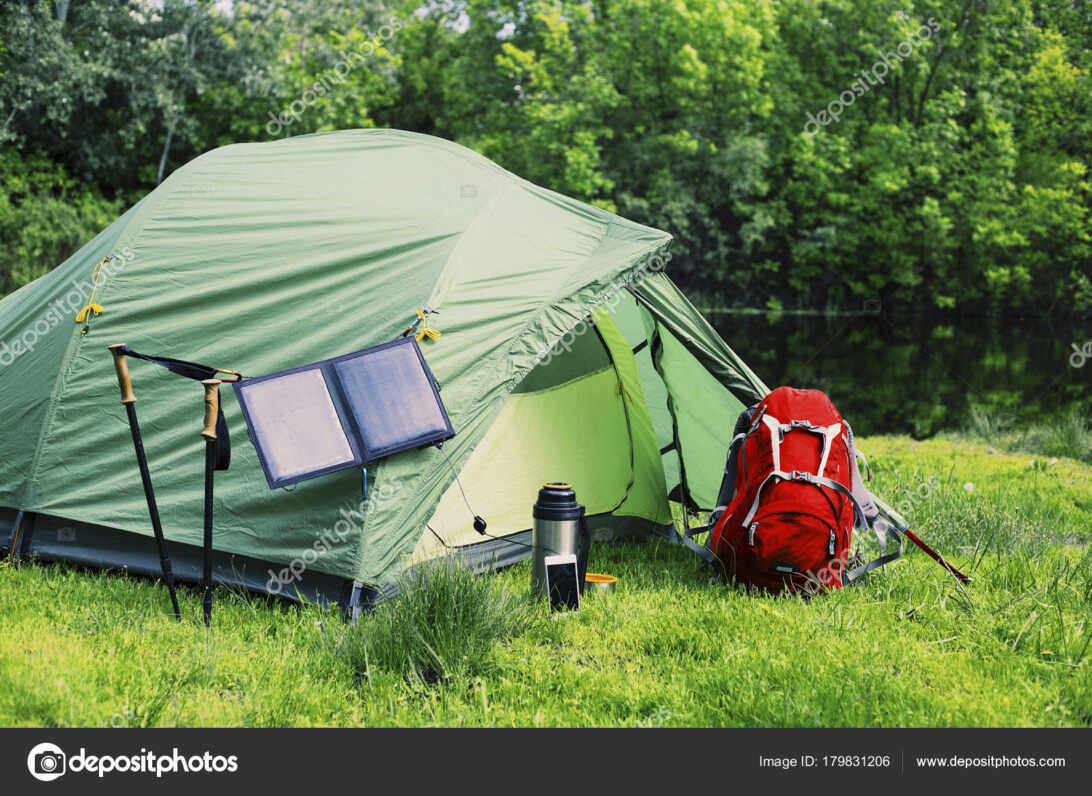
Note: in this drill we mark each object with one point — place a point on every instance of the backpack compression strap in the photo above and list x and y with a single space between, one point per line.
688 539
880 527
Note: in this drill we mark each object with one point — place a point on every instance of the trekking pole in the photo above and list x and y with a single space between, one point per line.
212 412
129 400
936 556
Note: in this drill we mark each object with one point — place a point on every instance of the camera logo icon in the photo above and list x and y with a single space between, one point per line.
46 762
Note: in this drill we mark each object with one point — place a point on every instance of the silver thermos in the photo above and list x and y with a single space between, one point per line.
559 527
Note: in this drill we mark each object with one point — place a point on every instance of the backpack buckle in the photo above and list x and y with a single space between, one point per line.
802 475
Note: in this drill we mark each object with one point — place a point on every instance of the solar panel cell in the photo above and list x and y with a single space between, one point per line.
391 398
294 423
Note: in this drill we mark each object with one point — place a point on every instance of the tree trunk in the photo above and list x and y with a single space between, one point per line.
190 53
163 155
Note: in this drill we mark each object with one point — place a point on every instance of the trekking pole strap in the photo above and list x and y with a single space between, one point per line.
197 372
191 370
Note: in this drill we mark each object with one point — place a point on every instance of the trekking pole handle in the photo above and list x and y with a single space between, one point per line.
122 368
212 408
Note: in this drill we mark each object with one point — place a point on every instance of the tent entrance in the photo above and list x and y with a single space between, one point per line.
580 416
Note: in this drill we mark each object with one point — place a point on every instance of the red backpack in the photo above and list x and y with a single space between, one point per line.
792 497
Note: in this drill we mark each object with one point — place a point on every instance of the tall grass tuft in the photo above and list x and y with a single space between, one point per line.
444 624
1068 435
985 425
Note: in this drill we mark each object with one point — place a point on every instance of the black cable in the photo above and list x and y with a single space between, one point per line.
454 472
479 523
505 539
517 541
439 538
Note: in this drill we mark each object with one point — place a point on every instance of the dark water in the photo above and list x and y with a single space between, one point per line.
919 375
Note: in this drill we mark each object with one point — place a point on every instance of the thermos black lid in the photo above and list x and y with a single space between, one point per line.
557 501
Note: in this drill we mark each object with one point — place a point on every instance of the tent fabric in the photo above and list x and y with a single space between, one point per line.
705 414
646 496
575 431
263 257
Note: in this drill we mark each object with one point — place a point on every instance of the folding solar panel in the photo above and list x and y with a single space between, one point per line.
343 412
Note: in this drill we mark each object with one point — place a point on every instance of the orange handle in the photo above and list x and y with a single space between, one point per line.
122 368
212 408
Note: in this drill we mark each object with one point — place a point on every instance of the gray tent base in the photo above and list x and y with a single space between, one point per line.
46 538
49 538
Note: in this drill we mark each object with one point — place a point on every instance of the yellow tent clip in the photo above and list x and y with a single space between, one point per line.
431 334
424 331
91 308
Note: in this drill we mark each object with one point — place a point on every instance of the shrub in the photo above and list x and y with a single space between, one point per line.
45 216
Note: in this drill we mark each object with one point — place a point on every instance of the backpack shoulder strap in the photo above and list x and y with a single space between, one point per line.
727 487
731 465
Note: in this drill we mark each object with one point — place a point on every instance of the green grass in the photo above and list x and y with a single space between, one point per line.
1068 435
907 648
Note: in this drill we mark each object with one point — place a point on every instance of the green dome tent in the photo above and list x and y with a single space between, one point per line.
566 353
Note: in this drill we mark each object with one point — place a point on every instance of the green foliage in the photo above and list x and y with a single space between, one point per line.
956 174
45 215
